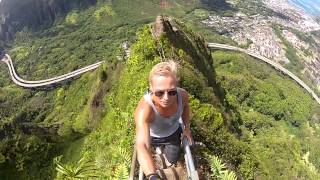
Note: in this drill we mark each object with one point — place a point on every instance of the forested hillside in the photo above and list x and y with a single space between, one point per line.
17 15
256 120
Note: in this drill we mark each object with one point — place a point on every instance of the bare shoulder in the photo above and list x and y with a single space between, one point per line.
143 112
185 95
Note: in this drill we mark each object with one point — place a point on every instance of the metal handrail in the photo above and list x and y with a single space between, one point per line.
191 170
133 163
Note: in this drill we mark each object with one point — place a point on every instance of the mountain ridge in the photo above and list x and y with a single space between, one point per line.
260 117
15 15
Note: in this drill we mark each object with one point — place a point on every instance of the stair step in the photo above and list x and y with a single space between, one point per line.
174 173
170 173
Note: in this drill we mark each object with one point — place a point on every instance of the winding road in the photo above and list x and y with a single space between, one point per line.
46 82
272 63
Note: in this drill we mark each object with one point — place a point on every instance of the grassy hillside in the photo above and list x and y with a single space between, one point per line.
279 119
246 113
51 119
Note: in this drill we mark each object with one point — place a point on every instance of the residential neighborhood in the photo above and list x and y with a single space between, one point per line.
256 34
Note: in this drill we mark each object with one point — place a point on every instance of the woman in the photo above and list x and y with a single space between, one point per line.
157 117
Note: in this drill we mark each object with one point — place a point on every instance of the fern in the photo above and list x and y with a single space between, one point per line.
84 169
125 155
121 173
228 175
103 160
216 166
219 170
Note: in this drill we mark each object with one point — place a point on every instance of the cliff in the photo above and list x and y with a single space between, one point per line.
17 14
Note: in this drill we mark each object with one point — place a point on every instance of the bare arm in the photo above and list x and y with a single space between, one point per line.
142 117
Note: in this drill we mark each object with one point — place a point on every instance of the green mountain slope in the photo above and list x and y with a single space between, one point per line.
279 119
260 123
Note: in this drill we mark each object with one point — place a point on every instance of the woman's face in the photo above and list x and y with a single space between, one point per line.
164 90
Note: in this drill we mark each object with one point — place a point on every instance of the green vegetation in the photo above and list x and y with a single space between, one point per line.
294 55
60 119
82 170
193 19
219 169
246 46
295 64
303 36
259 123
253 7
275 115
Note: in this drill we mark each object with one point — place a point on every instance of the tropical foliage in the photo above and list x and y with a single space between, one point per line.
83 169
261 124
219 169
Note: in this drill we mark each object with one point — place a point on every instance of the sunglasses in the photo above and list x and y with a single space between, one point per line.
169 92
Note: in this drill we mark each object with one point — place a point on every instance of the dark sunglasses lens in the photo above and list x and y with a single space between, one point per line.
159 93
172 93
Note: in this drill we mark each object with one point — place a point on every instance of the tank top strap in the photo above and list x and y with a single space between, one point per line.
147 98
180 102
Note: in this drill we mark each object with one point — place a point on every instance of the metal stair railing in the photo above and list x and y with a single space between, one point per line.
133 163
191 170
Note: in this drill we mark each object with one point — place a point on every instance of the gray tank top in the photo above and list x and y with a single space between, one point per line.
163 127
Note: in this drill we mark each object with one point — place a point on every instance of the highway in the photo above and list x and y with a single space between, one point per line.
268 61
46 82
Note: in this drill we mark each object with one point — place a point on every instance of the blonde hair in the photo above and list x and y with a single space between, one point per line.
167 68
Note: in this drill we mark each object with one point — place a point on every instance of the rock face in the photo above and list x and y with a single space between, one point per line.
17 14
193 46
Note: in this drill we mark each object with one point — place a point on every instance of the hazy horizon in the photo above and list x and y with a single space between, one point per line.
309 6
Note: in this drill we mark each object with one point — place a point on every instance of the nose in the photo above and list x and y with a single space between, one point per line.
166 96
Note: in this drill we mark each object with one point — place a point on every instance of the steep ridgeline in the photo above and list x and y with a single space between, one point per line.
166 39
257 121
189 47
17 14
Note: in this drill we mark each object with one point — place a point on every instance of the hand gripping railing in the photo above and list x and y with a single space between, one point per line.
191 170
134 162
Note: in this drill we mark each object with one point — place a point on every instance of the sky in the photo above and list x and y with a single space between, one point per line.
309 6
